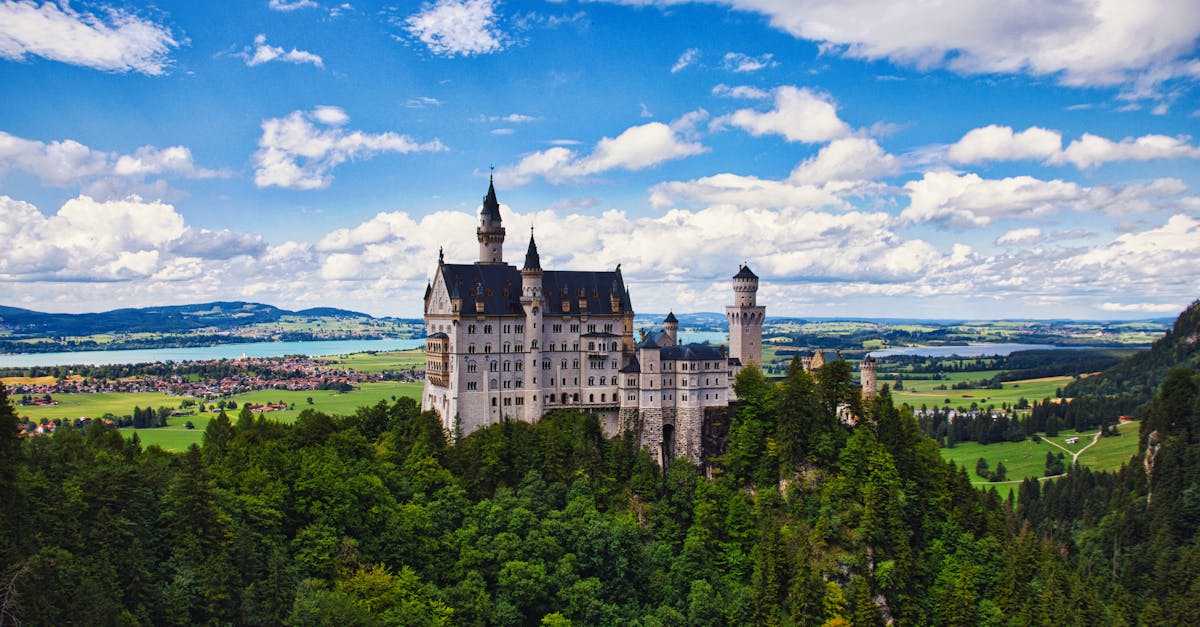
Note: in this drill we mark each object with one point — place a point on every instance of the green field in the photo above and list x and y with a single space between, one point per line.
176 437
1028 459
917 392
381 362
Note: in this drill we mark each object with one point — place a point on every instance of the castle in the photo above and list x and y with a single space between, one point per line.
509 343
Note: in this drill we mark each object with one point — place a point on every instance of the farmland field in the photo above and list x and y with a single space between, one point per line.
916 393
380 362
176 437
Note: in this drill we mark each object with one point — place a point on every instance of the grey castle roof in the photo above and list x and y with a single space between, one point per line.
632 366
692 352
745 273
491 206
498 287
437 336
532 260
671 318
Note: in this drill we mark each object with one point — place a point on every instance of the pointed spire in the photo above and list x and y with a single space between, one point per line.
532 260
491 206
441 256
671 319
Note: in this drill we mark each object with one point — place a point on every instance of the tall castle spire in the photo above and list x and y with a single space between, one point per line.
490 232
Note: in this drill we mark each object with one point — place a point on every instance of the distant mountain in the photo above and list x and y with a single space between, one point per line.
218 316
1134 380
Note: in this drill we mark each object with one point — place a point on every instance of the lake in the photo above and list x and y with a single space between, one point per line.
254 349
202 353
970 350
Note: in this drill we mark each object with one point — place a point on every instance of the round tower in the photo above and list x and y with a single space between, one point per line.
532 304
671 328
745 318
867 378
490 232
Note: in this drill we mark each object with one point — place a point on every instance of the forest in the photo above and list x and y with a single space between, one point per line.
375 518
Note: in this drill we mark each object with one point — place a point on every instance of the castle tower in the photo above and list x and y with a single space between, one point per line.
532 304
671 328
745 318
490 233
867 378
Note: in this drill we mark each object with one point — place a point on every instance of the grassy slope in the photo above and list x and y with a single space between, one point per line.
1028 459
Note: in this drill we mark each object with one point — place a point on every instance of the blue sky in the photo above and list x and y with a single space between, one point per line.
946 159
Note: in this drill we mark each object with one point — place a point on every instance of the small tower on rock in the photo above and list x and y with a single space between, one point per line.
745 318
867 378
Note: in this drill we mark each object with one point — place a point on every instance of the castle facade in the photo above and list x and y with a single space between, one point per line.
504 343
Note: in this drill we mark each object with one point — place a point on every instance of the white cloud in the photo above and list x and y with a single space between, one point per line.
1020 237
1101 42
292 5
1000 143
457 27
115 41
420 102
740 91
512 118
686 59
800 115
847 159
741 62
962 201
743 191
636 148
263 53
1143 307
67 162
1091 150
294 152
1165 254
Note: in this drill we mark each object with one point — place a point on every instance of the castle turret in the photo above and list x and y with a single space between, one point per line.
745 318
671 328
532 303
490 232
867 378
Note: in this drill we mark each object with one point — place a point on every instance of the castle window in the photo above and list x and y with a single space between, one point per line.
520 400
557 328
603 398
533 344
614 347
591 328
683 398
576 364
519 384
591 346
487 328
471 385
507 384
507 366
591 381
487 348
492 366
493 402
608 328
574 328
519 328
508 402
545 365
564 364
575 346
471 367
520 348
492 385
575 398
520 366
614 364
564 398
508 328
591 398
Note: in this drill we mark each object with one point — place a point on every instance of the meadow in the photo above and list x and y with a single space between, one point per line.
1028 458
382 361
177 437
922 392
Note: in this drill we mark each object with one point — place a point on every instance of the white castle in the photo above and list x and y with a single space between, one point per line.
507 343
